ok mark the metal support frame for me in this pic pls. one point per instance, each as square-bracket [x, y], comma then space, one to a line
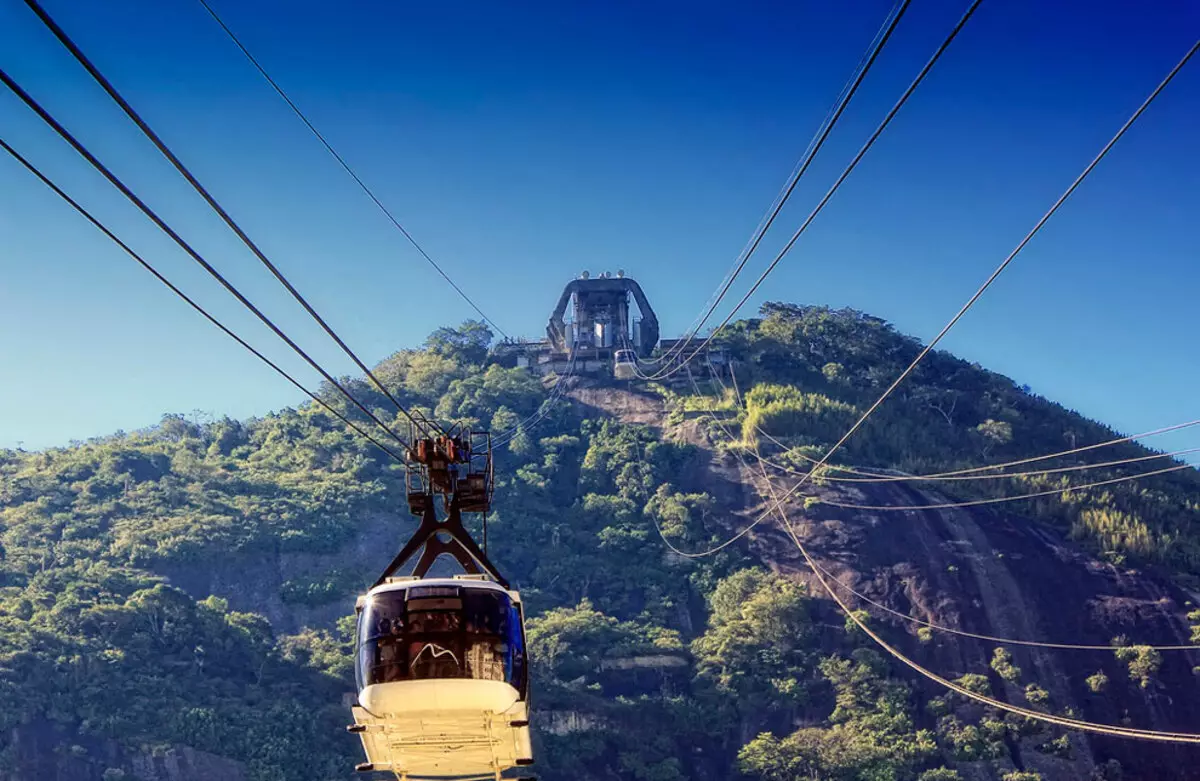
[456, 465]
[437, 536]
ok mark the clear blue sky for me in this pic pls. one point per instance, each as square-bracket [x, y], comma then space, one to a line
[522, 143]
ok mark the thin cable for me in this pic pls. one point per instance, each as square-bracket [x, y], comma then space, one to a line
[951, 478]
[346, 166]
[167, 229]
[844, 175]
[146, 265]
[784, 192]
[510, 433]
[763, 461]
[991, 638]
[507, 435]
[100, 79]
[1003, 265]
[871, 478]
[1001, 499]
[823, 134]
[1062, 721]
[927, 478]
[721, 546]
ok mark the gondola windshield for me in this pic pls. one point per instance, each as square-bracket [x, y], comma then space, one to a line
[431, 632]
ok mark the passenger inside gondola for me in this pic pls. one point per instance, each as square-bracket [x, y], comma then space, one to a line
[423, 635]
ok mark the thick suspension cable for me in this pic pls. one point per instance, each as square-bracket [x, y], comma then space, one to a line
[346, 166]
[823, 134]
[887, 120]
[116, 182]
[1003, 265]
[418, 422]
[189, 301]
[818, 139]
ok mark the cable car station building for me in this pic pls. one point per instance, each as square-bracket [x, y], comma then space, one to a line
[595, 319]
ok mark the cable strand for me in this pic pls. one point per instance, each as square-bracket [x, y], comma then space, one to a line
[162, 147]
[346, 166]
[822, 135]
[116, 182]
[188, 300]
[1003, 265]
[842, 178]
[757, 455]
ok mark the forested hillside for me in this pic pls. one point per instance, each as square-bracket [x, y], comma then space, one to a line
[174, 602]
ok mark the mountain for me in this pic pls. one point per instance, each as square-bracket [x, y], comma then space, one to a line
[174, 602]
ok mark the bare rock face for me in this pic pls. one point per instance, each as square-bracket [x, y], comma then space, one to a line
[627, 406]
[37, 756]
[253, 582]
[997, 573]
[183, 763]
[987, 570]
[645, 662]
[565, 722]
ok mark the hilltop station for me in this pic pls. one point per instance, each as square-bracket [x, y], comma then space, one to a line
[596, 318]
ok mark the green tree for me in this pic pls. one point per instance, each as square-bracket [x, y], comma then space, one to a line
[994, 433]
[939, 774]
[1002, 663]
[756, 645]
[1143, 662]
[1097, 682]
[466, 345]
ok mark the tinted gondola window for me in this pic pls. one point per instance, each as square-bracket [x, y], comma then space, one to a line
[440, 632]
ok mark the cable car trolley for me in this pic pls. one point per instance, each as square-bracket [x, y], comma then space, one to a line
[443, 680]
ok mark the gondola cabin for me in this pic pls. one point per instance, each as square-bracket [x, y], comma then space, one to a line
[442, 679]
[624, 364]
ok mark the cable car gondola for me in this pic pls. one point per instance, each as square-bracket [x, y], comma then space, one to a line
[440, 662]
[624, 364]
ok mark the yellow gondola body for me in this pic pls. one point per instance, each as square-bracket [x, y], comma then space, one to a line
[442, 678]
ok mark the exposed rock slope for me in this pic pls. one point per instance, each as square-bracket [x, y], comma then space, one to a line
[986, 570]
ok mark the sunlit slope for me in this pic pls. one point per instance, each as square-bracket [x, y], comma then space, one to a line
[115, 658]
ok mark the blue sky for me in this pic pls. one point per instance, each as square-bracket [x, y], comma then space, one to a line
[522, 143]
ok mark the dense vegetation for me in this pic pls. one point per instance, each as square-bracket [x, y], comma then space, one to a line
[647, 667]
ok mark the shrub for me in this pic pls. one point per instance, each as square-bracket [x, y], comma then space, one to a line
[1097, 682]
[1036, 694]
[1002, 663]
[1143, 662]
[975, 683]
[940, 774]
